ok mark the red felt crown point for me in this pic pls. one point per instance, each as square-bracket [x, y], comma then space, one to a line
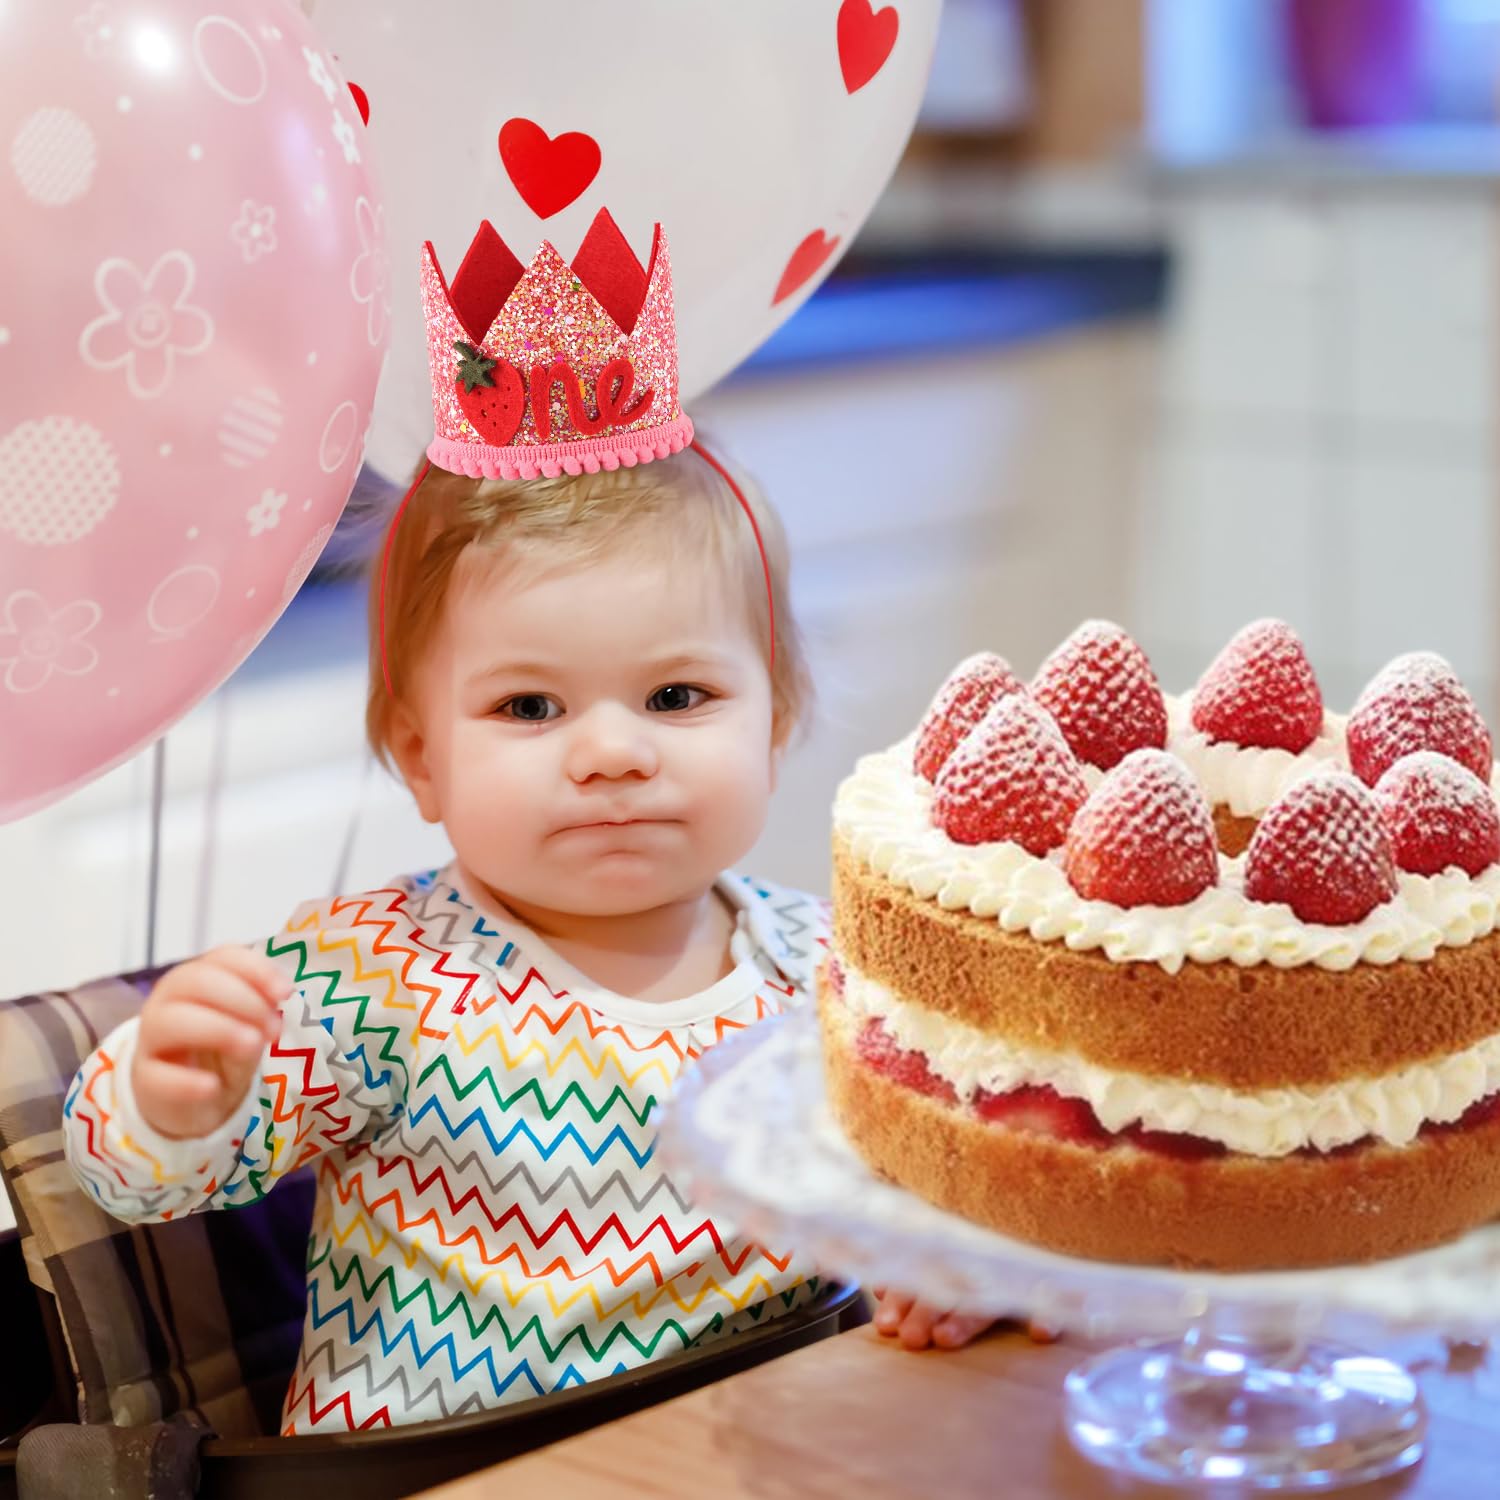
[1100, 688]
[609, 268]
[1145, 837]
[1322, 849]
[488, 275]
[1261, 691]
[1438, 814]
[1012, 778]
[604, 263]
[1416, 702]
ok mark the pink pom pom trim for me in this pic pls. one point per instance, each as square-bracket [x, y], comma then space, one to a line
[549, 460]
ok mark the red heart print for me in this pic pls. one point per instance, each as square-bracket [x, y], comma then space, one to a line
[361, 102]
[549, 174]
[806, 261]
[866, 37]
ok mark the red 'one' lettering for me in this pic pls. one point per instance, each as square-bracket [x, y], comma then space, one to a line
[613, 391]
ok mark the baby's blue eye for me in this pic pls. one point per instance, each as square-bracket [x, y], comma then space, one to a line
[675, 697]
[527, 708]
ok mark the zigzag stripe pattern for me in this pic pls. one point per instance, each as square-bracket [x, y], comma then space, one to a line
[491, 1223]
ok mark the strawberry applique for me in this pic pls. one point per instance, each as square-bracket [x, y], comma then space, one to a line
[491, 394]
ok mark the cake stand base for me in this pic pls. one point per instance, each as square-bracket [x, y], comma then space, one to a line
[1217, 1409]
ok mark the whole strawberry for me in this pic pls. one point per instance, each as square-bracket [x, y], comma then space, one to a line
[1100, 688]
[1145, 837]
[971, 688]
[1012, 778]
[1322, 850]
[1261, 691]
[1416, 702]
[1438, 814]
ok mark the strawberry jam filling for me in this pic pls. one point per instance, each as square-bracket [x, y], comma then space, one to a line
[1038, 1109]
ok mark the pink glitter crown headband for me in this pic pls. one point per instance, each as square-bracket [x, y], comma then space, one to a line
[553, 369]
[516, 353]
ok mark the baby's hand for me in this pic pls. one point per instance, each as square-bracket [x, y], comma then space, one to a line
[919, 1324]
[204, 1028]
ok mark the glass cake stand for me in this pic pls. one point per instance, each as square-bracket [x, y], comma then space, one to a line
[1242, 1380]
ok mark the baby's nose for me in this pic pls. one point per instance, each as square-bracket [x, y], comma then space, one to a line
[608, 740]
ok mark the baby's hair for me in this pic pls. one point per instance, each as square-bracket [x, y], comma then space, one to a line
[679, 503]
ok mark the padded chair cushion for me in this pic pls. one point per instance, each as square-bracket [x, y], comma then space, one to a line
[201, 1314]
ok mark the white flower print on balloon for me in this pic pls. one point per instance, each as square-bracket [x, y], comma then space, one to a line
[95, 29]
[265, 514]
[36, 641]
[317, 70]
[370, 275]
[343, 133]
[147, 323]
[254, 231]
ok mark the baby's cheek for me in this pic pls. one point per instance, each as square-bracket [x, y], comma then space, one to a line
[504, 802]
[734, 790]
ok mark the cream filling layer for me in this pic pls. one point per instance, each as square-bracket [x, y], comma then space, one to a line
[883, 812]
[1261, 1122]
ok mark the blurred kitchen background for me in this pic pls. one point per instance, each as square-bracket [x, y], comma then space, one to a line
[1183, 311]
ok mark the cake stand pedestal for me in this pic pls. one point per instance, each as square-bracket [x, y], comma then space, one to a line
[1251, 1381]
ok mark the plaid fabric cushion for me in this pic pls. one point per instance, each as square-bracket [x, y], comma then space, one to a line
[201, 1314]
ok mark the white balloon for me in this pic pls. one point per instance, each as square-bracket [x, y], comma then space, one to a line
[734, 126]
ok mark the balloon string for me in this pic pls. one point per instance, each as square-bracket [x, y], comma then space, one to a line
[208, 851]
[356, 816]
[153, 869]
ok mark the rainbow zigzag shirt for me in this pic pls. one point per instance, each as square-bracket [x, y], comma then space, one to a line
[490, 1223]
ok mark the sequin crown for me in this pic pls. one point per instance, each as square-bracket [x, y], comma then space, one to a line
[553, 369]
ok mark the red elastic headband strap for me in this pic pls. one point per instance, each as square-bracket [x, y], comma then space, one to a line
[697, 447]
[738, 494]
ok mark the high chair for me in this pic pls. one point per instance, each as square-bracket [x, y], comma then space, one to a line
[195, 1323]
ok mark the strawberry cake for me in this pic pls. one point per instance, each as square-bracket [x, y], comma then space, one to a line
[1211, 982]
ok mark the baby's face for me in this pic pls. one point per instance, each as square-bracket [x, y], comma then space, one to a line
[596, 738]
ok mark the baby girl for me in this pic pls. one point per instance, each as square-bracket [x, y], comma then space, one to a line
[590, 681]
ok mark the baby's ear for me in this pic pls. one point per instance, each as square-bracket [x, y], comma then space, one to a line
[408, 749]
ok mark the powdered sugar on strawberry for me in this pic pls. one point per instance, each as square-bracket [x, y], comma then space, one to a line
[1100, 688]
[1416, 702]
[1261, 691]
[1323, 851]
[1145, 837]
[972, 688]
[1438, 815]
[1013, 777]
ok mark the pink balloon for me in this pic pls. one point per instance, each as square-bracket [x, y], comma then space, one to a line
[194, 308]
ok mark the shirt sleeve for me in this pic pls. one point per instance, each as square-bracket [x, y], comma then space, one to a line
[337, 1074]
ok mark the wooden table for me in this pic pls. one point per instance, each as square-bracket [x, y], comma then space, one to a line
[857, 1416]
